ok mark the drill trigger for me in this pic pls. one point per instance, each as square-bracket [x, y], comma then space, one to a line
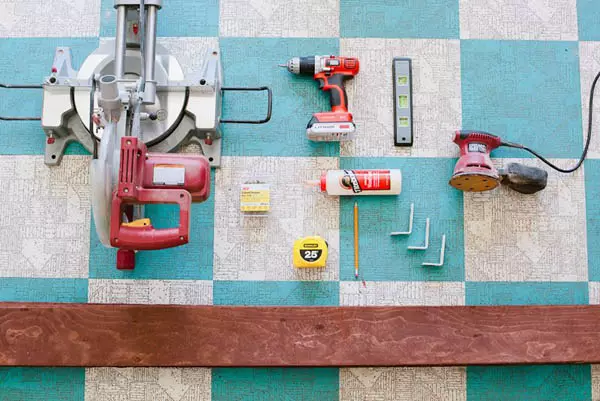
[322, 83]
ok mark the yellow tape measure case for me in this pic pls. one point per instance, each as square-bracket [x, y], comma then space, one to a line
[310, 252]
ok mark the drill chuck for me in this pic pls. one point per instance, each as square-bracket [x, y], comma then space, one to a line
[301, 65]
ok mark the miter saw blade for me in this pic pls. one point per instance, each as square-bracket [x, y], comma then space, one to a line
[103, 178]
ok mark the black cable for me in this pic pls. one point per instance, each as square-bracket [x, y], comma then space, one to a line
[587, 141]
[173, 127]
[9, 86]
[20, 118]
[92, 103]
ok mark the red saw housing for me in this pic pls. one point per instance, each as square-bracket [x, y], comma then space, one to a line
[154, 178]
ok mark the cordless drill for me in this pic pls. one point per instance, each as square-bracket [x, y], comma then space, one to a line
[331, 72]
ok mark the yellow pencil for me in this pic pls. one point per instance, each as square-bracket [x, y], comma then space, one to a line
[356, 239]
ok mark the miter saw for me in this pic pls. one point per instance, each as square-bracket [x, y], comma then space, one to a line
[129, 104]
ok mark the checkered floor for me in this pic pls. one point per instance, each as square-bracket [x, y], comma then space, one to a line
[518, 68]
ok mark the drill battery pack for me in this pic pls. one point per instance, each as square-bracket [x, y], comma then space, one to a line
[331, 127]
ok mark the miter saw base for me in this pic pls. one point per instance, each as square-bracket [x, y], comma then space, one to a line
[178, 109]
[186, 110]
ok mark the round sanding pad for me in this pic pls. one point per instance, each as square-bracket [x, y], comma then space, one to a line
[474, 182]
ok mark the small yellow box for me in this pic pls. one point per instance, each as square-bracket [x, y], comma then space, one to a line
[310, 252]
[255, 198]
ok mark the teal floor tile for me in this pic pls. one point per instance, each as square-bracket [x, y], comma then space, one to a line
[193, 261]
[42, 384]
[286, 384]
[588, 19]
[399, 18]
[28, 61]
[531, 383]
[386, 258]
[524, 91]
[295, 98]
[273, 293]
[592, 205]
[176, 18]
[533, 293]
[17, 289]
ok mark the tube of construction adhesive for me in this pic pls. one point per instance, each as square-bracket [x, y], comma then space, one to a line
[359, 182]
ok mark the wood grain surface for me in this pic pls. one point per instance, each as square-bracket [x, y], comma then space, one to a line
[46, 334]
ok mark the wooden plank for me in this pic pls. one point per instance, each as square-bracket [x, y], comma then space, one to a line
[37, 334]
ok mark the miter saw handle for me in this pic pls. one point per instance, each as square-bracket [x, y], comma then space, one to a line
[155, 178]
[142, 235]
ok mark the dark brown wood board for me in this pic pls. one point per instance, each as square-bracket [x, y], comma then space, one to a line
[46, 334]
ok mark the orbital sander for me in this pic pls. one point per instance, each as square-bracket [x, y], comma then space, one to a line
[475, 172]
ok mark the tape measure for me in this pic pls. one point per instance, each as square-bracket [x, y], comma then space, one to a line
[310, 252]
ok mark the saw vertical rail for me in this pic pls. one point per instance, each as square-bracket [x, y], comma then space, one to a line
[120, 41]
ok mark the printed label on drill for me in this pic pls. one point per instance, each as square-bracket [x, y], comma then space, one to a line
[477, 147]
[366, 180]
[169, 174]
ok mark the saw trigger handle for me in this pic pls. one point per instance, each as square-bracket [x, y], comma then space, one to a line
[155, 178]
[523, 179]
[144, 237]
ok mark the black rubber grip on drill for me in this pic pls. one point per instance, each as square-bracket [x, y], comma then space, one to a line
[307, 65]
[338, 95]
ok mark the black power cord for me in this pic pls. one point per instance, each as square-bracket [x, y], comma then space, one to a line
[587, 141]
[92, 104]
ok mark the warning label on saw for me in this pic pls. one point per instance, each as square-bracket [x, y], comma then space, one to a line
[169, 174]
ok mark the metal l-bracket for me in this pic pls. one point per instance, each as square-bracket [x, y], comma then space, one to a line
[422, 248]
[410, 223]
[442, 251]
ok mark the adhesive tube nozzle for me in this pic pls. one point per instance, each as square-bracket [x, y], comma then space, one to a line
[320, 184]
[313, 184]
